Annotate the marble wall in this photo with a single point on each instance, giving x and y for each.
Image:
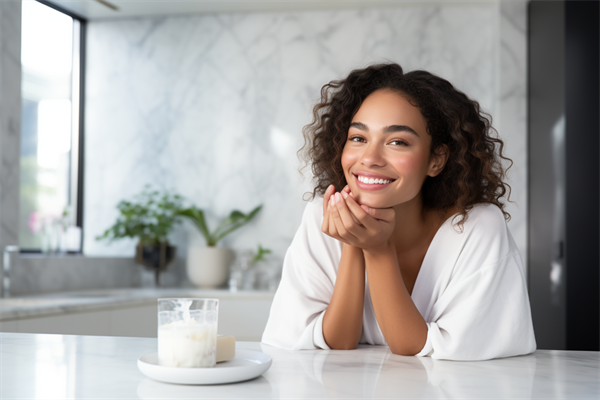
(511, 114)
(10, 120)
(212, 106)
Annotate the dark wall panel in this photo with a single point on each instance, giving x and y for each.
(582, 58)
(547, 287)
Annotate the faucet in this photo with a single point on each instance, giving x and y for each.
(6, 269)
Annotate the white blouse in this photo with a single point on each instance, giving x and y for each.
(471, 291)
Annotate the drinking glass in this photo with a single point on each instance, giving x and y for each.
(187, 332)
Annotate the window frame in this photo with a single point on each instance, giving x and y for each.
(77, 140)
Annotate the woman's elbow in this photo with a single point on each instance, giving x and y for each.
(404, 350)
(343, 346)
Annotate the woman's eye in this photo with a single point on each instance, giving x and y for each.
(356, 139)
(399, 143)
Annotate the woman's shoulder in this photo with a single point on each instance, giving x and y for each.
(313, 212)
(310, 243)
(485, 217)
(316, 203)
(484, 236)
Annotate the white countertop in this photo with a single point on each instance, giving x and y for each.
(93, 367)
(65, 302)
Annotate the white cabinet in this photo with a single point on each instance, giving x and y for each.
(9, 326)
(244, 317)
(86, 323)
(133, 321)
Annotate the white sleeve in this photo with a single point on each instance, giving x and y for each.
(307, 282)
(483, 311)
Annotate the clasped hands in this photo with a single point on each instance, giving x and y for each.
(356, 225)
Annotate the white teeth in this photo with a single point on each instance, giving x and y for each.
(372, 181)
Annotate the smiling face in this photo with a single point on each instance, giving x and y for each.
(387, 155)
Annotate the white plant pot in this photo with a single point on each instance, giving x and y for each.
(208, 267)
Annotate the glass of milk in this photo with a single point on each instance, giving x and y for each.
(187, 332)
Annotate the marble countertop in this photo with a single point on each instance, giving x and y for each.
(93, 367)
(65, 302)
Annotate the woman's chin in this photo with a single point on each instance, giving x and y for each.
(373, 203)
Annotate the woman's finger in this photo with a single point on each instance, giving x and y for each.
(347, 190)
(340, 227)
(345, 196)
(360, 214)
(326, 197)
(327, 206)
(383, 214)
(325, 224)
(350, 223)
(331, 224)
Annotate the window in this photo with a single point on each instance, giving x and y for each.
(50, 187)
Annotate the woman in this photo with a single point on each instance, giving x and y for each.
(408, 246)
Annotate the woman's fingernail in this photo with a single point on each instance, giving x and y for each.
(366, 208)
(345, 195)
(338, 198)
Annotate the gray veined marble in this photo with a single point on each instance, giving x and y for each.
(511, 113)
(10, 120)
(83, 367)
(212, 106)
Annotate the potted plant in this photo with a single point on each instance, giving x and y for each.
(264, 273)
(149, 217)
(250, 271)
(208, 266)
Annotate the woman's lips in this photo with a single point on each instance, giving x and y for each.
(371, 186)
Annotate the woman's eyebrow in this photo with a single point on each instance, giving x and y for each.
(359, 125)
(387, 129)
(399, 128)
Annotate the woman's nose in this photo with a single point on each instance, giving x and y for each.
(372, 156)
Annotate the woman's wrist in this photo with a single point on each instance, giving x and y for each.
(350, 248)
(384, 250)
(353, 251)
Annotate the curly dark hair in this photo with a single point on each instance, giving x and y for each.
(473, 173)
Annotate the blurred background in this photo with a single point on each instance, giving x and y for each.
(207, 100)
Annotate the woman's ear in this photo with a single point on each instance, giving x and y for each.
(438, 160)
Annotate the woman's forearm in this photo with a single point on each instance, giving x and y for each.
(342, 323)
(401, 323)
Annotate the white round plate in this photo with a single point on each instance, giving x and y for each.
(246, 364)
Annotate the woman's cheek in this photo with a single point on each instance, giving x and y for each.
(408, 166)
(348, 160)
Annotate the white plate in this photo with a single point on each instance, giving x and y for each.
(246, 364)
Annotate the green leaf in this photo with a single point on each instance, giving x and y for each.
(196, 216)
(236, 220)
(260, 254)
(254, 212)
(150, 216)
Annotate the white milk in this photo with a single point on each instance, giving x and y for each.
(187, 343)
